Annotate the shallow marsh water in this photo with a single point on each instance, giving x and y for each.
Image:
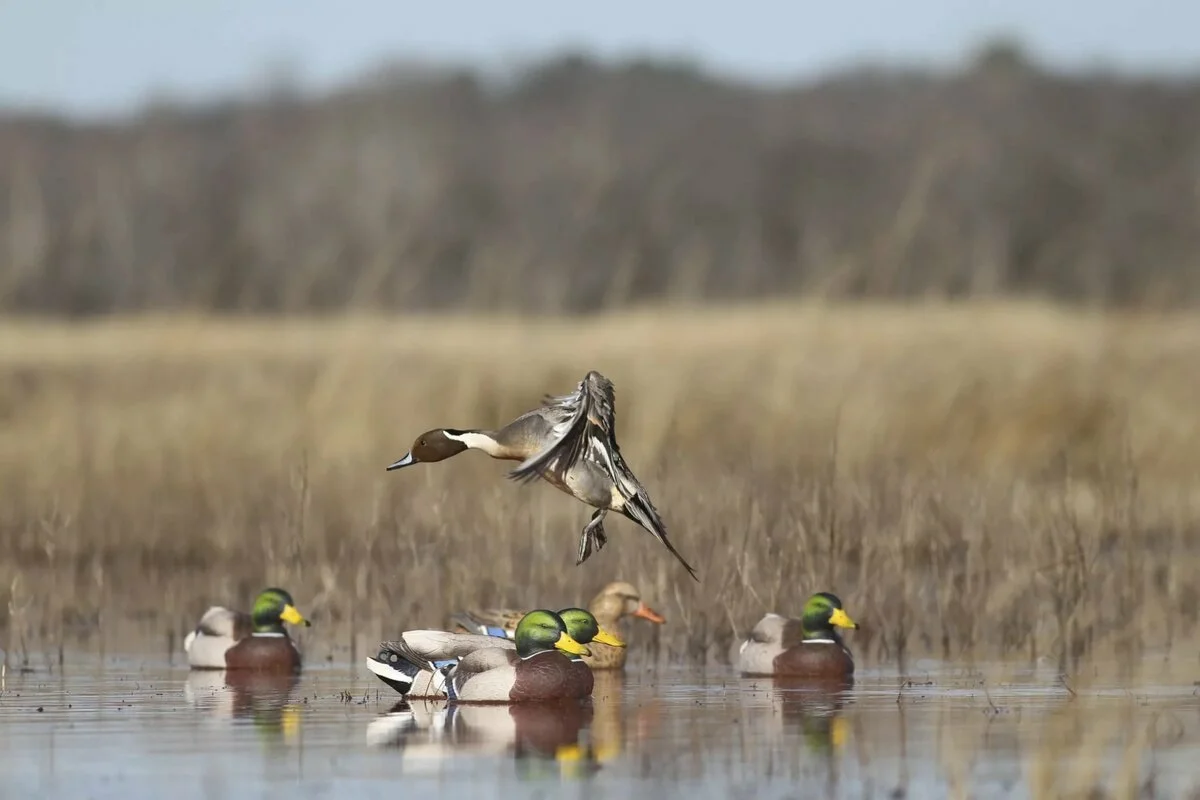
(130, 728)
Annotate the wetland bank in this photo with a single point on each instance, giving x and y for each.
(975, 481)
(1024, 498)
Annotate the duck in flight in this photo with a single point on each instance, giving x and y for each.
(570, 442)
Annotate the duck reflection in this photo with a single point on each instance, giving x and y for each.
(608, 723)
(606, 737)
(813, 708)
(263, 699)
(612, 729)
(536, 735)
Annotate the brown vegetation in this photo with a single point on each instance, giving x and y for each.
(582, 186)
(974, 481)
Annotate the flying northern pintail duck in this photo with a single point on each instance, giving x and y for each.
(570, 442)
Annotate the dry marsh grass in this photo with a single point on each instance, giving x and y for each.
(975, 481)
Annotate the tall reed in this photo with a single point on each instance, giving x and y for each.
(974, 481)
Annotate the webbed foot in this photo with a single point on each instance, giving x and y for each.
(593, 537)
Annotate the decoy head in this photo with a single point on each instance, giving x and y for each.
(822, 613)
(272, 608)
(584, 628)
(542, 631)
(621, 599)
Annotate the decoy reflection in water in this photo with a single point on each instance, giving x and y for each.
(607, 732)
(814, 708)
(570, 442)
(434, 731)
(614, 725)
(264, 698)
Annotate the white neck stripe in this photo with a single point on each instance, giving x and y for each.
(818, 641)
(474, 441)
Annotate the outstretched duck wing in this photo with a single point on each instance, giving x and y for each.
(588, 413)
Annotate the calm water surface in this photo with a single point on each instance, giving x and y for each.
(131, 728)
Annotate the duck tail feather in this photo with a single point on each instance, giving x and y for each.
(639, 509)
(405, 653)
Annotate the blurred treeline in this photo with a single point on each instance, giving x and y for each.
(578, 185)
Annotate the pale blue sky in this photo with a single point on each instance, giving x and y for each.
(104, 55)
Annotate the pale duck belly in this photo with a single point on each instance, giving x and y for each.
(589, 483)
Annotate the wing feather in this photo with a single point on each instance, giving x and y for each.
(221, 621)
(478, 663)
(424, 647)
(576, 418)
(584, 426)
(483, 660)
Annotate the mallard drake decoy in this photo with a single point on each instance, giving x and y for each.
(443, 650)
(227, 639)
(611, 604)
(532, 667)
(809, 647)
(585, 629)
(570, 442)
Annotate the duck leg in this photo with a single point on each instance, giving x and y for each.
(592, 538)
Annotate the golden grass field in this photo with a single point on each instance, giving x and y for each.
(975, 481)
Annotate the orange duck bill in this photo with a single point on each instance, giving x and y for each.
(646, 612)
